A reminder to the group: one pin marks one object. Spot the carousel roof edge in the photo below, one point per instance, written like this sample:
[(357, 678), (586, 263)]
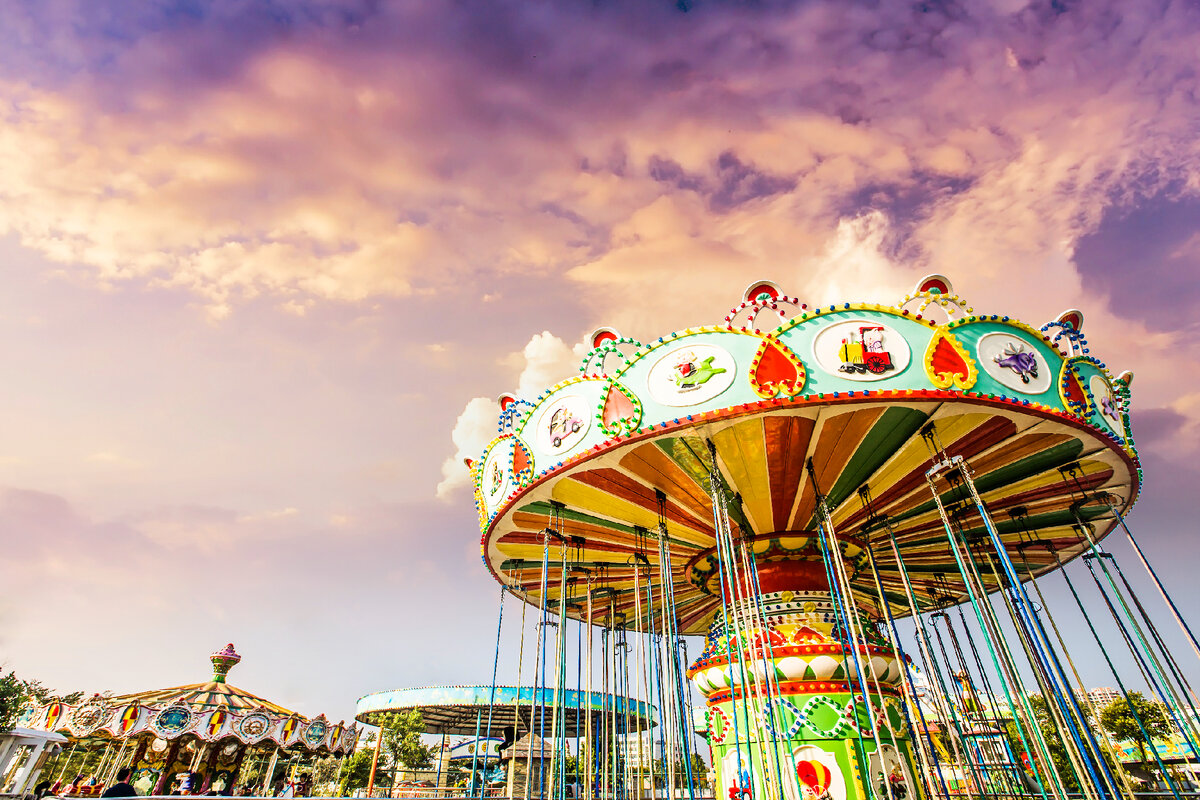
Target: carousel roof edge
[(220, 689), (932, 346), (467, 696), (120, 717)]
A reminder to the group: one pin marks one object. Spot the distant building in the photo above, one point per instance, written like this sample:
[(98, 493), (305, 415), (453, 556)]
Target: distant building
[(639, 750), (1104, 695)]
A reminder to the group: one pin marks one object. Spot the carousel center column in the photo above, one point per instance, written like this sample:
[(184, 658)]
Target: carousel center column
[(787, 716)]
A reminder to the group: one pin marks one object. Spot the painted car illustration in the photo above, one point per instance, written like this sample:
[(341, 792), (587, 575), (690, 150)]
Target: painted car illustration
[(562, 424), (865, 353), (1108, 407), (689, 375)]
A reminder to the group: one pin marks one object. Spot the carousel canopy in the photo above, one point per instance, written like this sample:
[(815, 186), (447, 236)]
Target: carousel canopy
[(210, 711), (464, 710), (787, 404), (205, 697), (213, 694)]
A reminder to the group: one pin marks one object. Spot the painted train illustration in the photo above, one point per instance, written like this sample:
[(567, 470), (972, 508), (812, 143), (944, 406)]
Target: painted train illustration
[(866, 353)]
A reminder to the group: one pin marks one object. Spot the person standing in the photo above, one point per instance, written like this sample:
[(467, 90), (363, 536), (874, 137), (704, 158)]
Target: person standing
[(122, 788)]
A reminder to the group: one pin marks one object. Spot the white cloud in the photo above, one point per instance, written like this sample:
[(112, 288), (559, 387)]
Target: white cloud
[(543, 362), (854, 265), (475, 427)]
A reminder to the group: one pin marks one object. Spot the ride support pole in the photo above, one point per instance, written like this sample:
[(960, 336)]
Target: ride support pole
[(103, 765), (475, 752), (271, 772), (374, 763), (437, 782), (116, 763), (67, 761)]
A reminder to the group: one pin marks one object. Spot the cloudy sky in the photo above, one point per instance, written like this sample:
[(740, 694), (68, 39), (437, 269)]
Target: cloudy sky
[(262, 260)]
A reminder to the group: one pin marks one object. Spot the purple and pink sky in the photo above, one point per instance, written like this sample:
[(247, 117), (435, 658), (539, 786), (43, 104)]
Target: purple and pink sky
[(263, 261)]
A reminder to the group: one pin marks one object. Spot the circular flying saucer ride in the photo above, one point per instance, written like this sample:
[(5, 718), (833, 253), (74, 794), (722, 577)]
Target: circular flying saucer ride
[(505, 720), (800, 474), (487, 711)]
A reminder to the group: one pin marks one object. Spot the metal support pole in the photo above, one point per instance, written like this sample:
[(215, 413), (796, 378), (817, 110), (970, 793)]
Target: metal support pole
[(108, 774), (266, 790), (437, 782), (375, 763), (475, 752)]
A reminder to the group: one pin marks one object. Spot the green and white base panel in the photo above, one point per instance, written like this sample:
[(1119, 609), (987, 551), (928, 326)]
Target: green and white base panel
[(787, 717)]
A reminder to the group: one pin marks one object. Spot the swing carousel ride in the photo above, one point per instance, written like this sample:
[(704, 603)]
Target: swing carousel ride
[(790, 484)]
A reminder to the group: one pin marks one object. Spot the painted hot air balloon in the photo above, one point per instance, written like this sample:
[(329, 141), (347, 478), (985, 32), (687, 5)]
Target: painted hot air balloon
[(814, 776), (289, 727), (129, 718), (216, 721), (53, 714)]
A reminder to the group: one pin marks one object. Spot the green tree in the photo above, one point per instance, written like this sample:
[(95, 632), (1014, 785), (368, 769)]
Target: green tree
[(1053, 738), (356, 772), (402, 740), (1119, 720), (41, 695), (699, 772), (15, 694), (12, 699), (324, 773)]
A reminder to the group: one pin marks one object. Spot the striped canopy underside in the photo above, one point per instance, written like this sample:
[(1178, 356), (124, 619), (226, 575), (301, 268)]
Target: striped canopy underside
[(1015, 457)]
